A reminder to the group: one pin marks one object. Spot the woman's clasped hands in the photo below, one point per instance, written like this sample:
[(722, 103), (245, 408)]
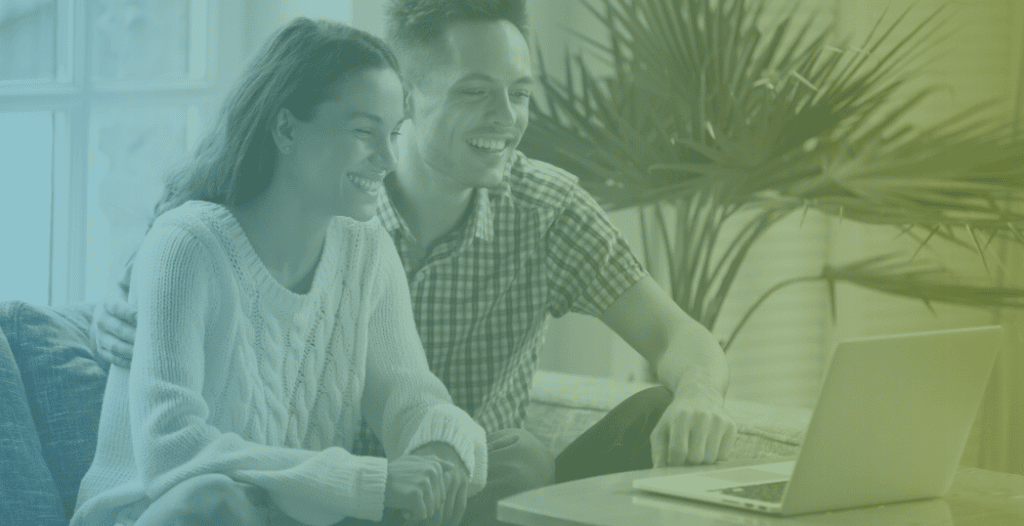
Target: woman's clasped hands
[(429, 486)]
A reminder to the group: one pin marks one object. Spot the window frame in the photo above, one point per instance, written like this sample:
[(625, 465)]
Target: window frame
[(72, 95)]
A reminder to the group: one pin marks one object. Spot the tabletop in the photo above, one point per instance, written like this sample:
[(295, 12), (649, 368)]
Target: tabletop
[(977, 498)]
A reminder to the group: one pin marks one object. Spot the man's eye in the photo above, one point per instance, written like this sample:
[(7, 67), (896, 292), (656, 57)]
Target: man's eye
[(521, 95)]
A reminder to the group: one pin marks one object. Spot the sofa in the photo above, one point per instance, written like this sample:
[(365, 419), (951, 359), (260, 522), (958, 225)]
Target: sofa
[(52, 389)]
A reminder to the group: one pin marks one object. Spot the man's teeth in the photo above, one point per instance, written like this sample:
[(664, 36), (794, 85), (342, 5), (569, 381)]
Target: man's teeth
[(365, 184), (485, 144)]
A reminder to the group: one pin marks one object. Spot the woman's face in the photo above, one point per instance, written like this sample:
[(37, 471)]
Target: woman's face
[(347, 146)]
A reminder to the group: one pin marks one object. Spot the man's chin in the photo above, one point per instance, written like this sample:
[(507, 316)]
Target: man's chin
[(492, 181), (492, 176)]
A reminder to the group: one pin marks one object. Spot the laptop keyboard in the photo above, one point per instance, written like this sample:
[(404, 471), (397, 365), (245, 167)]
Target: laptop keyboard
[(770, 492)]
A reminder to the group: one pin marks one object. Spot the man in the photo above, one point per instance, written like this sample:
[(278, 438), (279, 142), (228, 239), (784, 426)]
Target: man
[(494, 243)]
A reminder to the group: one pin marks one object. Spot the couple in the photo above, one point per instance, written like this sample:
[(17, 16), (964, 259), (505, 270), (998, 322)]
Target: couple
[(267, 327)]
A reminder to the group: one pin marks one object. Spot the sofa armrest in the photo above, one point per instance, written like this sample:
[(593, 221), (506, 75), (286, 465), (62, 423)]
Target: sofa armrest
[(562, 406)]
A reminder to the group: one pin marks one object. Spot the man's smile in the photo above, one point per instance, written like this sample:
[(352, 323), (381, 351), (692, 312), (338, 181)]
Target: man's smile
[(489, 145)]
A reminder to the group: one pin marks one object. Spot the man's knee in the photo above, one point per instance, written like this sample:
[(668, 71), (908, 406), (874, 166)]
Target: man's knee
[(519, 461), (621, 441), (652, 401)]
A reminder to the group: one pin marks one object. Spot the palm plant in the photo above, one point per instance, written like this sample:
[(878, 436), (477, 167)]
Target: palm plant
[(706, 112)]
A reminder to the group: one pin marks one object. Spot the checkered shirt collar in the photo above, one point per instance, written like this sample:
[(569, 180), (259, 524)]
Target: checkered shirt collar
[(480, 225)]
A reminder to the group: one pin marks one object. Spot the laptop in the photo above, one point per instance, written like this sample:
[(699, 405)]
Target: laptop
[(890, 425)]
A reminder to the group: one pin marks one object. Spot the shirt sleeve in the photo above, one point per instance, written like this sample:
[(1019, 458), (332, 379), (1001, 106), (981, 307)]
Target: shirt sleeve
[(181, 298), (403, 402), (589, 265)]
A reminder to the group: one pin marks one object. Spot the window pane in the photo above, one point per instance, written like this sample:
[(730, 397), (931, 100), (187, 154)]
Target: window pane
[(27, 40), (130, 151), (25, 199), (140, 40)]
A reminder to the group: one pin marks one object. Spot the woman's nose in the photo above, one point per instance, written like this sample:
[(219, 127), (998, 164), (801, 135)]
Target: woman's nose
[(385, 158)]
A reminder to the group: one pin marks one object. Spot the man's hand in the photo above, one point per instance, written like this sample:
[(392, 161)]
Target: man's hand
[(456, 479), (113, 327), (416, 487), (694, 429)]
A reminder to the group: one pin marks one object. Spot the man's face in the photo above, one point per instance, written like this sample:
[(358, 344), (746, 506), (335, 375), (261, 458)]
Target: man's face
[(471, 107)]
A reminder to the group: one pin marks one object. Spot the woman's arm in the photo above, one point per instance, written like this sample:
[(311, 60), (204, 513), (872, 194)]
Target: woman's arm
[(183, 300), (405, 404)]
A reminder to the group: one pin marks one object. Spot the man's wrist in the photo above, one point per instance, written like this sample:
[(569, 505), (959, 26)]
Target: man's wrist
[(688, 387)]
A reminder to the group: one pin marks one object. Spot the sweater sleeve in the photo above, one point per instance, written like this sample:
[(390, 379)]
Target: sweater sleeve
[(182, 293), (403, 402)]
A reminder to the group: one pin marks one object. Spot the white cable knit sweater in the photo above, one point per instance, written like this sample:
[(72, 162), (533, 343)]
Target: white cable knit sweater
[(234, 374)]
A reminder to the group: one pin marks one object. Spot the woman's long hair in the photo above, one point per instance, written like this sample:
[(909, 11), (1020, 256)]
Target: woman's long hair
[(295, 70)]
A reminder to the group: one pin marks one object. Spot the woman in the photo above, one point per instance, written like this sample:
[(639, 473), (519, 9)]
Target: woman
[(268, 325)]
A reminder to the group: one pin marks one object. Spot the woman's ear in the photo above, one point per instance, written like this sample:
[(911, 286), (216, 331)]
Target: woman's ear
[(283, 131)]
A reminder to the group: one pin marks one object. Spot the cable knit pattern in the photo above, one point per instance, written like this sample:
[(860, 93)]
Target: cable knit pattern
[(234, 374)]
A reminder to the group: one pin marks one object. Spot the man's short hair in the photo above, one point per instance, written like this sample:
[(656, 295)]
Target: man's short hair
[(416, 26)]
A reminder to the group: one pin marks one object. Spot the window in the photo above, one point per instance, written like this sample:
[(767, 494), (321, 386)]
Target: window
[(98, 99)]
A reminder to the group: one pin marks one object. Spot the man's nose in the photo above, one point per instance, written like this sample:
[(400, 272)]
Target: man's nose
[(501, 110)]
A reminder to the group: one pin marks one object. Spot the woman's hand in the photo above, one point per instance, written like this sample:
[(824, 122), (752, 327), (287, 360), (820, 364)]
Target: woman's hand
[(416, 486), (456, 479)]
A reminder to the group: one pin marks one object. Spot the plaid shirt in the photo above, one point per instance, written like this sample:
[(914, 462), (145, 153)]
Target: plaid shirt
[(539, 247)]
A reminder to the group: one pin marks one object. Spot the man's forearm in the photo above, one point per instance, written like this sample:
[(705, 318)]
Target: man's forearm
[(683, 353), (693, 361)]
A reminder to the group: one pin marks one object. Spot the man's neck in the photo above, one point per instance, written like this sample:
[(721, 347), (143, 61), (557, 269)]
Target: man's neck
[(430, 208)]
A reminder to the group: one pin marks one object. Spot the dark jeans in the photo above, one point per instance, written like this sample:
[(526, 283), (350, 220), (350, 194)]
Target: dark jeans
[(518, 461), (618, 442)]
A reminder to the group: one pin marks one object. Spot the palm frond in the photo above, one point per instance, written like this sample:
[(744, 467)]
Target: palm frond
[(712, 106)]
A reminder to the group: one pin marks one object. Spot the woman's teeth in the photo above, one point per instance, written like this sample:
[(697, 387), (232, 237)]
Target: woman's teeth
[(490, 145), (365, 184)]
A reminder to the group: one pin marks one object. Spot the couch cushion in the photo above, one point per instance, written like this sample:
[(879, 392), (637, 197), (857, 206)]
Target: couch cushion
[(563, 406), (64, 385)]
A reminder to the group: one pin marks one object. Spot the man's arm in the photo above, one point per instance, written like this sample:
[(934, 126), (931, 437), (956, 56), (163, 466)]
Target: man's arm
[(113, 326), (695, 428)]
